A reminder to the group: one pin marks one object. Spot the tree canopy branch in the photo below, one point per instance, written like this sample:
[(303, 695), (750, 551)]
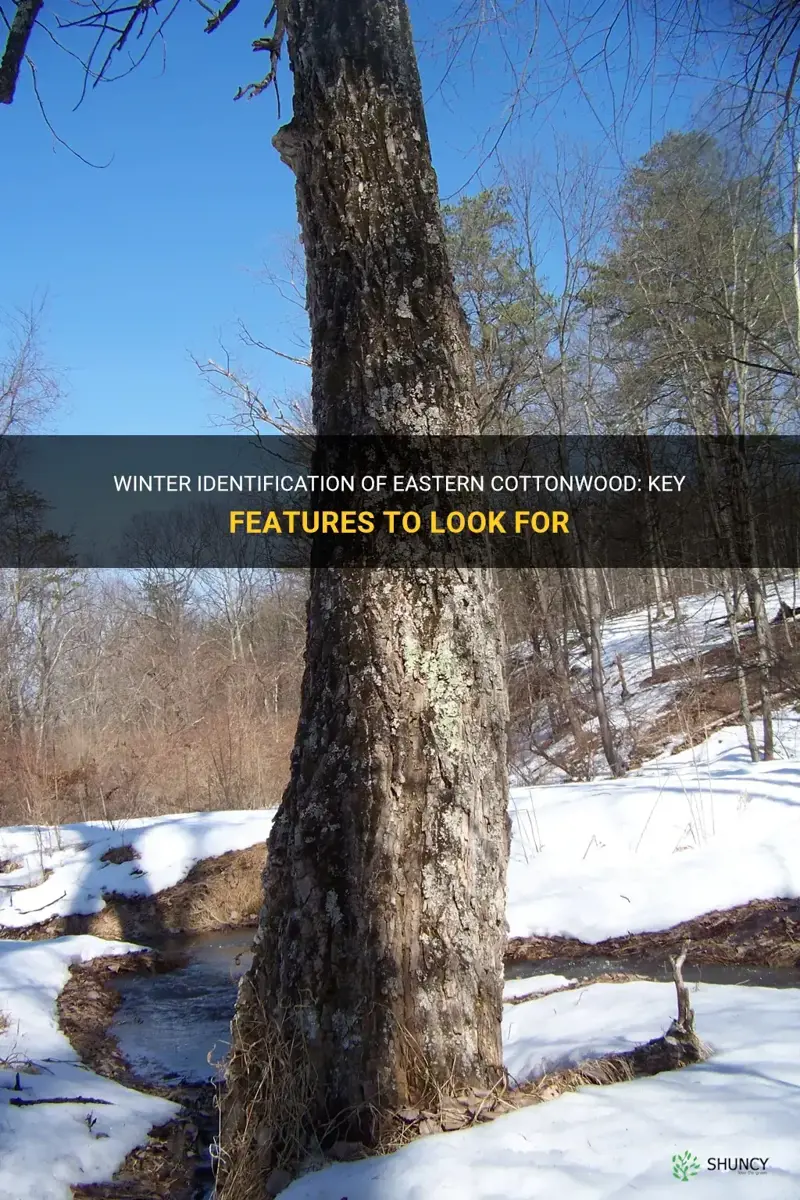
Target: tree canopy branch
[(19, 34)]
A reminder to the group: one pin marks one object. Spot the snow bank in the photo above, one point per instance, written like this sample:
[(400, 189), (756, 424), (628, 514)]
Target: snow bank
[(61, 871), (46, 1148), (535, 985)]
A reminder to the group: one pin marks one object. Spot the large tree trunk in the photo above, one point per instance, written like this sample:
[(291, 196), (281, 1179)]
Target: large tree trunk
[(378, 967)]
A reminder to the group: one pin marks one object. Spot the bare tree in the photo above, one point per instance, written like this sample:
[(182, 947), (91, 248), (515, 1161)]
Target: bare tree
[(30, 387)]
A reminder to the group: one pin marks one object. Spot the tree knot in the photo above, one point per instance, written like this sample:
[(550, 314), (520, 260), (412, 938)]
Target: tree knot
[(287, 142)]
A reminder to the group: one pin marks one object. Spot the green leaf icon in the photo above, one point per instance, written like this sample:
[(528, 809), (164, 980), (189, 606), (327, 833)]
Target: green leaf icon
[(685, 1166)]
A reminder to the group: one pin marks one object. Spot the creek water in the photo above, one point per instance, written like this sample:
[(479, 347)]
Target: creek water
[(169, 1025), (175, 1025)]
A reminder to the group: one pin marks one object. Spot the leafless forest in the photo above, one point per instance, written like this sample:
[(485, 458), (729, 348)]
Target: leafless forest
[(674, 308)]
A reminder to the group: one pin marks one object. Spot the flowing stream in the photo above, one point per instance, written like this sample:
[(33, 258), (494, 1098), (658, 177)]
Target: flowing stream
[(175, 1025), (169, 1025)]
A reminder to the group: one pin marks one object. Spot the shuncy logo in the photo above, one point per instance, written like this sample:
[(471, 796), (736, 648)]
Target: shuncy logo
[(685, 1166)]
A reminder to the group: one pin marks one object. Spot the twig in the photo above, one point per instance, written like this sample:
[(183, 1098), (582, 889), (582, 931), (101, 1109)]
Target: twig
[(58, 1100), (685, 1015), (273, 45), (27, 911), (218, 17)]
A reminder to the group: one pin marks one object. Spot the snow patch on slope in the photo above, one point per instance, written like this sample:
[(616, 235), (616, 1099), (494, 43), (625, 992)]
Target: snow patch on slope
[(703, 830)]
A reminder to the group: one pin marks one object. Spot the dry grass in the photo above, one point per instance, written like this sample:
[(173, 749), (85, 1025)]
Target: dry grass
[(269, 1087), (266, 1134), (119, 855), (595, 1072), (233, 894), (12, 1058)]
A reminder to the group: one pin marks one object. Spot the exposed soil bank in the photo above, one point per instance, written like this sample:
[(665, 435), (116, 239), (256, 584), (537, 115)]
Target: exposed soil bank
[(762, 933), (218, 893), (174, 1162)]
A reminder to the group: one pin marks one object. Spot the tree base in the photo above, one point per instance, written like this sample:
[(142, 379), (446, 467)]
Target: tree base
[(265, 1135)]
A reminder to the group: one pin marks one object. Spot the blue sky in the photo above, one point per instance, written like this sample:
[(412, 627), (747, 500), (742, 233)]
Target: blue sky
[(155, 257)]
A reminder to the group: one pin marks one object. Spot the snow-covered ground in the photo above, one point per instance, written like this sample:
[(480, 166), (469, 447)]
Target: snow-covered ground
[(596, 1143), (517, 989), (46, 1147), (684, 835)]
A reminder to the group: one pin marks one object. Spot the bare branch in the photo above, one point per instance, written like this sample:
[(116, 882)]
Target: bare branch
[(291, 416), (134, 20), (255, 344), (273, 45), (61, 141), (220, 15)]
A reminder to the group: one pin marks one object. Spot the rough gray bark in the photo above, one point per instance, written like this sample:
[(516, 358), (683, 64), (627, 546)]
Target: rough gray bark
[(19, 32), (378, 968)]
